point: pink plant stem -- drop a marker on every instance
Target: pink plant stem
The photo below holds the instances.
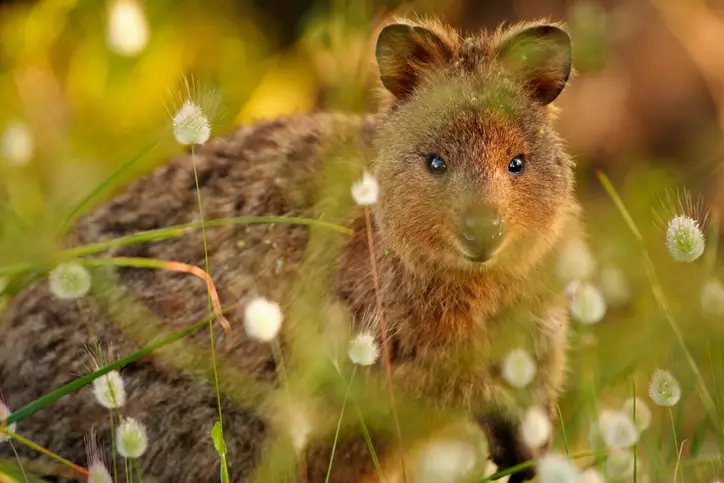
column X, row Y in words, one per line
column 196, row 271
column 383, row 336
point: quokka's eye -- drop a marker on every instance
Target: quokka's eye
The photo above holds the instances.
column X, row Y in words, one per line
column 517, row 164
column 436, row 165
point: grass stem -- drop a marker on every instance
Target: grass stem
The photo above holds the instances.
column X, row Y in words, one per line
column 339, row 424
column 383, row 337
column 210, row 292
column 36, row 447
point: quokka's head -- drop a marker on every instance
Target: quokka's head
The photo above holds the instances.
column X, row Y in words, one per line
column 472, row 175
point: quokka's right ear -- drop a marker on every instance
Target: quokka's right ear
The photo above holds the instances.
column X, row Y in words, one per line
column 405, row 53
column 540, row 56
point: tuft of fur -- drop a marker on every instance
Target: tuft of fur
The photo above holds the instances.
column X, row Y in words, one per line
column 478, row 102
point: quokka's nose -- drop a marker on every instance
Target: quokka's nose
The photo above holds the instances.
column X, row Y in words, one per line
column 481, row 232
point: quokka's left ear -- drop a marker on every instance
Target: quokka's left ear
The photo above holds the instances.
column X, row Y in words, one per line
column 540, row 57
column 406, row 53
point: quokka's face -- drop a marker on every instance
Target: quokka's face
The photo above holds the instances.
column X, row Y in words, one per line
column 471, row 173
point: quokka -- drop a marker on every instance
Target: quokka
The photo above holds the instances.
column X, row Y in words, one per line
column 475, row 203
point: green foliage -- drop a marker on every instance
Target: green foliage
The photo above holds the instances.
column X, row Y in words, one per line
column 77, row 167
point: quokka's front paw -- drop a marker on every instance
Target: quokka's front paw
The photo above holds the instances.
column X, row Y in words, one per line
column 506, row 446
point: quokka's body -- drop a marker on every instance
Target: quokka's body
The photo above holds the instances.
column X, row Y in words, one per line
column 476, row 201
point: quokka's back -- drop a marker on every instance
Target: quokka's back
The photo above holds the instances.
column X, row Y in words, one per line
column 475, row 198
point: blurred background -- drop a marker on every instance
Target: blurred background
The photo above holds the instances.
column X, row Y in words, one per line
column 83, row 84
column 84, row 87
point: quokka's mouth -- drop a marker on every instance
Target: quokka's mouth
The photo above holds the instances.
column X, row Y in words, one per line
column 479, row 257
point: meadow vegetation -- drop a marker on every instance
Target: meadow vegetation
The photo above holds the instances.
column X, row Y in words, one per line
column 643, row 397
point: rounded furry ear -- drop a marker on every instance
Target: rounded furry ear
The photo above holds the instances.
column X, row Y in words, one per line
column 404, row 53
column 541, row 57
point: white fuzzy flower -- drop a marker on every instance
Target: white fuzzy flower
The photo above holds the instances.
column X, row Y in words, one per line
column 712, row 297
column 684, row 239
column 131, row 439
column 614, row 286
column 190, row 124
column 642, row 419
column 445, row 462
column 366, row 191
column 4, row 414
column 575, row 262
column 69, row 281
column 98, row 473
column 535, row 427
column 363, row 350
column 16, row 144
column 518, row 368
column 587, row 305
column 591, row 476
column 553, row 468
column 620, row 464
column 127, row 27
column 617, row 429
column 109, row 390
column 664, row 389
column 262, row 319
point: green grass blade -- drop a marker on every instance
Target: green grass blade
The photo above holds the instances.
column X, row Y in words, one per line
column 636, row 445
column 563, row 429
column 74, row 212
column 339, row 424
column 77, row 384
column 167, row 233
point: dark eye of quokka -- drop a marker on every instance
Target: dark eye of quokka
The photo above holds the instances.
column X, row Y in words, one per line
column 436, row 165
column 517, row 165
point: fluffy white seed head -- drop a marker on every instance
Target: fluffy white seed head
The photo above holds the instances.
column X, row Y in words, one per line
column 366, row 191
column 16, row 144
column 4, row 414
column 445, row 462
column 684, row 239
column 127, row 27
column 109, row 390
column 620, row 464
column 363, row 350
column 664, row 389
column 615, row 286
column 712, row 297
column 587, row 305
column 591, row 476
column 69, row 281
column 554, row 468
column 575, row 262
column 131, row 439
column 535, row 427
column 642, row 418
column 262, row 319
column 98, row 473
column 190, row 124
column 617, row 429
column 518, row 368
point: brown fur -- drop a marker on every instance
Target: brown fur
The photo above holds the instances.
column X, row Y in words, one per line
column 450, row 321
